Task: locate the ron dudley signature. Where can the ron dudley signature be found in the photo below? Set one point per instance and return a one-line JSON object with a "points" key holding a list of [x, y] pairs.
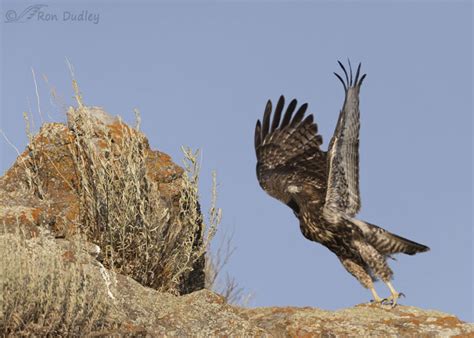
{"points": [[40, 13]]}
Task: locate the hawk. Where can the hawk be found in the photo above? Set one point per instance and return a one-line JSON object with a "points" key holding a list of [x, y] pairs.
{"points": [[322, 187]]}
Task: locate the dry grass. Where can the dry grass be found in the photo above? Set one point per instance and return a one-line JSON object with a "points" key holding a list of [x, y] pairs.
{"points": [[32, 167], [45, 294], [121, 208]]}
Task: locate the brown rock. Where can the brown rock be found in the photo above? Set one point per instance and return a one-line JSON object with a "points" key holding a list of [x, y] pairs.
{"points": [[135, 310], [50, 157], [205, 313], [41, 187]]}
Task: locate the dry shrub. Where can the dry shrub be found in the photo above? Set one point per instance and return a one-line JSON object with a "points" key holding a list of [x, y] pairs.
{"points": [[42, 293], [121, 208]]}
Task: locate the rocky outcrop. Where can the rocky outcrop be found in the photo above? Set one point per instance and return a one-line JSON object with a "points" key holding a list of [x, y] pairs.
{"points": [[47, 159], [42, 188], [144, 311], [135, 310], [205, 313]]}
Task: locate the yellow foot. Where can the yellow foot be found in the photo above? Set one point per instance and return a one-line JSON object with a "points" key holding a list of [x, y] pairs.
{"points": [[392, 300], [377, 299]]}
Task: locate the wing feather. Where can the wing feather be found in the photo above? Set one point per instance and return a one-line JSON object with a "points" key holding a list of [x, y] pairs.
{"points": [[258, 134], [299, 115], [266, 119], [343, 153], [289, 112], [277, 114], [290, 153]]}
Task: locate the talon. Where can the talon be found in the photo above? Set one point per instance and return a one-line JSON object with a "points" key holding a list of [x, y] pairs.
{"points": [[392, 300], [394, 295]]}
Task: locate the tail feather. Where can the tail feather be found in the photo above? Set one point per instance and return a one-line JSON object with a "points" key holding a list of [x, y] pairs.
{"points": [[387, 243], [407, 246]]}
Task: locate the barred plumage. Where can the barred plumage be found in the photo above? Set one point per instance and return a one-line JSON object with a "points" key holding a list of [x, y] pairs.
{"points": [[322, 188]]}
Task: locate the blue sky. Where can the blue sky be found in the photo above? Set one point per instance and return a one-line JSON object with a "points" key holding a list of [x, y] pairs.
{"points": [[200, 74]]}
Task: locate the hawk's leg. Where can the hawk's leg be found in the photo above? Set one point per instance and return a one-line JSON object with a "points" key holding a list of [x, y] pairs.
{"points": [[392, 300], [359, 272], [379, 267], [377, 299], [376, 262]]}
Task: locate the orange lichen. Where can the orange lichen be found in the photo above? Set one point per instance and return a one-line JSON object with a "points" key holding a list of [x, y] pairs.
{"points": [[69, 256], [448, 321], [54, 167]]}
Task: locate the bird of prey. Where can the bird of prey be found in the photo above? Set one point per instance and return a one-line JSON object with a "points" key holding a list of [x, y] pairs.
{"points": [[322, 187]]}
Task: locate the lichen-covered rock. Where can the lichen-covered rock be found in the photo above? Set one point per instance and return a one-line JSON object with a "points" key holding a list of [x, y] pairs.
{"points": [[145, 311], [135, 310], [361, 320], [42, 186], [47, 159]]}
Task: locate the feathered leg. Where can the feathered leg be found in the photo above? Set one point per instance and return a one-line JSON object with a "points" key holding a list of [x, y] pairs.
{"points": [[379, 267], [362, 275], [376, 261]]}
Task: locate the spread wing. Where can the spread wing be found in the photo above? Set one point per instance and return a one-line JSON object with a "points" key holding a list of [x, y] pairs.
{"points": [[343, 152], [288, 153]]}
